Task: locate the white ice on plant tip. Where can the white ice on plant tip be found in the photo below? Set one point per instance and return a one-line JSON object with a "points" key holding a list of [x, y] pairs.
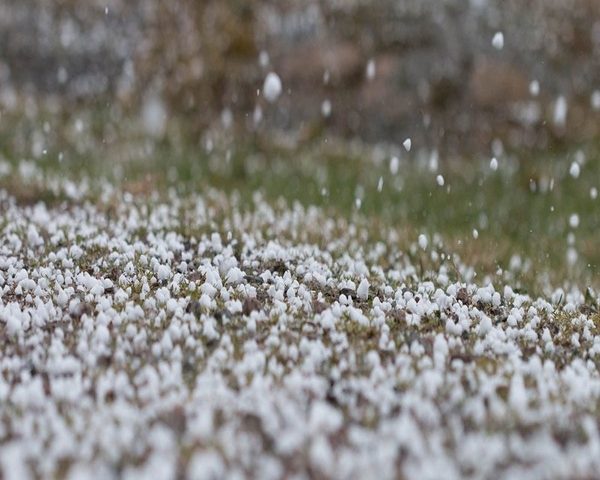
{"points": [[498, 41], [362, 292], [560, 111], [234, 276], [574, 170], [326, 108], [163, 272], [494, 164], [574, 220], [422, 240], [440, 180], [13, 325], [407, 144], [534, 88], [272, 87], [226, 118], [370, 72]]}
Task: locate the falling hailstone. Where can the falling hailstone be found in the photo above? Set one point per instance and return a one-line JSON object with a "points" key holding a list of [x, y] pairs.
{"points": [[571, 256], [534, 88], [440, 180], [494, 164], [263, 59], [226, 118], [272, 87], [394, 165], [574, 220], [371, 70], [362, 292], [326, 108], [257, 115], [433, 161], [154, 116], [560, 111], [574, 170], [380, 184], [498, 41], [595, 100], [407, 144]]}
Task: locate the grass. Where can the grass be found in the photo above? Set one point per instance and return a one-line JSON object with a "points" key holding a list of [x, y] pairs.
{"points": [[513, 209]]}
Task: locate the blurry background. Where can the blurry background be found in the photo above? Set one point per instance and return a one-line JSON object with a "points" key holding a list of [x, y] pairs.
{"points": [[374, 71]]}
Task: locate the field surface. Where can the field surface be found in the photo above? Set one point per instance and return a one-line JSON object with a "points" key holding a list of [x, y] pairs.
{"points": [[351, 313]]}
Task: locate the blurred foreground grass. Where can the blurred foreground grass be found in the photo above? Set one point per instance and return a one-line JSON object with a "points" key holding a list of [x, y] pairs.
{"points": [[530, 218]]}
